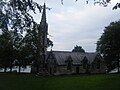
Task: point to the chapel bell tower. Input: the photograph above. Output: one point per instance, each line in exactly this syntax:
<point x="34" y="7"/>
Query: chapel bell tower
<point x="42" y="34"/>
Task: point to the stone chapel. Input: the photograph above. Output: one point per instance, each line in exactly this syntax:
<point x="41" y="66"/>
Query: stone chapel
<point x="66" y="62"/>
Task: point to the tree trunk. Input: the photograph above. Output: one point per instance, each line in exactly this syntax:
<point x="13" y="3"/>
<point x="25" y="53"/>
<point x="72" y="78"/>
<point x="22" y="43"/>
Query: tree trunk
<point x="5" y="68"/>
<point x="37" y="69"/>
<point x="11" y="67"/>
<point x="19" y="68"/>
<point x="118" y="64"/>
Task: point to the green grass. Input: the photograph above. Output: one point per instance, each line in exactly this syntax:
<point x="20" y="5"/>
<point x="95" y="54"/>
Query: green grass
<point x="72" y="82"/>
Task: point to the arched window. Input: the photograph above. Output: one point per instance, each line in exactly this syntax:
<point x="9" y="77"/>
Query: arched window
<point x="69" y="66"/>
<point x="69" y="63"/>
<point x="85" y="62"/>
<point x="98" y="61"/>
<point x="98" y="64"/>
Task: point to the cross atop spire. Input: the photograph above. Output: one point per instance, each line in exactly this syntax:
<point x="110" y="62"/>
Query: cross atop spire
<point x="44" y="1"/>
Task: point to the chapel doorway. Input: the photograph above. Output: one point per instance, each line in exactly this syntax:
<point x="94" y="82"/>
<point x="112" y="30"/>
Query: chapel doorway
<point x="50" y="70"/>
<point x="77" y="70"/>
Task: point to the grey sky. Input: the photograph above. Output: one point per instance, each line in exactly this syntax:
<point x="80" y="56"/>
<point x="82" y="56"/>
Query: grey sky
<point x="77" y="23"/>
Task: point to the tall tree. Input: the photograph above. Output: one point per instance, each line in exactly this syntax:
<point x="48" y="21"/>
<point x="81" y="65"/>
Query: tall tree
<point x="15" y="16"/>
<point x="9" y="43"/>
<point x="4" y="49"/>
<point x="78" y="49"/>
<point x="109" y="44"/>
<point x="31" y="44"/>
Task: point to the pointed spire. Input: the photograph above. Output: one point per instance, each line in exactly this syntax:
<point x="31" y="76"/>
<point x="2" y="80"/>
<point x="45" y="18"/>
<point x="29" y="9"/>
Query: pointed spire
<point x="43" y="19"/>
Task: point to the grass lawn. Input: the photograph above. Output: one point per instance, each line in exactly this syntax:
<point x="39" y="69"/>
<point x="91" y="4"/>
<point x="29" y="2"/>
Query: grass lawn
<point x="72" y="82"/>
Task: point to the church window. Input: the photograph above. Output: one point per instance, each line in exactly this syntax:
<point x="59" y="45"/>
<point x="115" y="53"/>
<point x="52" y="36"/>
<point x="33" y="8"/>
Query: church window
<point x="98" y="64"/>
<point x="69" y="65"/>
<point x="85" y="61"/>
<point x="93" y="65"/>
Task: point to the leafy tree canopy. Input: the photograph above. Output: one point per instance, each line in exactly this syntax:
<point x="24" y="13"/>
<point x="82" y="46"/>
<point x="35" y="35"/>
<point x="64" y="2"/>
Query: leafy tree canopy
<point x="78" y="49"/>
<point x="105" y="3"/>
<point x="109" y="43"/>
<point x="101" y="3"/>
<point x="14" y="14"/>
<point x="9" y="43"/>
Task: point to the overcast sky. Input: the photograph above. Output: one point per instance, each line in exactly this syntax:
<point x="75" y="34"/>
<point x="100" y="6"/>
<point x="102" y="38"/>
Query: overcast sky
<point x="77" y="23"/>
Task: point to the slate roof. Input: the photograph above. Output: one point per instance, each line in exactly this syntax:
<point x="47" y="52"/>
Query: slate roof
<point x="91" y="56"/>
<point x="62" y="56"/>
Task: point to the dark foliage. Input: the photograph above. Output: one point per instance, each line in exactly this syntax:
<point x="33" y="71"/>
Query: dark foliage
<point x="109" y="44"/>
<point x="103" y="3"/>
<point x="78" y="49"/>
<point x="116" y="6"/>
<point x="14" y="14"/>
<point x="8" y="44"/>
<point x="14" y="20"/>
